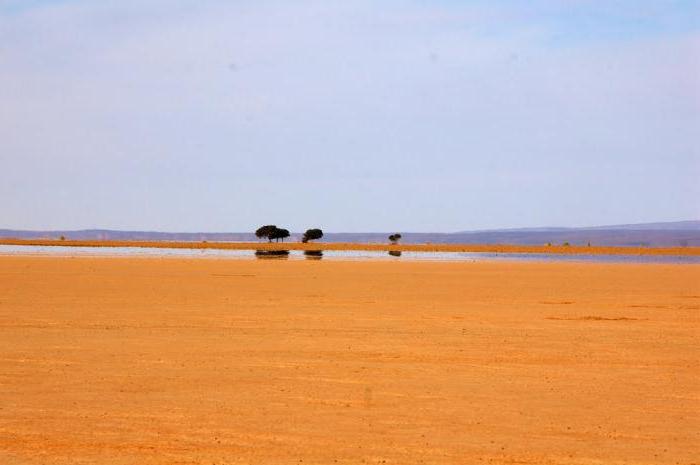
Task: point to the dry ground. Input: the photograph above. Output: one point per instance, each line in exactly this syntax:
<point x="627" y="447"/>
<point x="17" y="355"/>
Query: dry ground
<point x="171" y="361"/>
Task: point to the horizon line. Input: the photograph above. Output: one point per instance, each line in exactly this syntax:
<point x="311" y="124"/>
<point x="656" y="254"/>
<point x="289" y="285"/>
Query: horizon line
<point x="505" y="229"/>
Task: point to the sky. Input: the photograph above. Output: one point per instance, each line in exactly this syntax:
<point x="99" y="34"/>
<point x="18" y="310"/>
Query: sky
<point x="354" y="116"/>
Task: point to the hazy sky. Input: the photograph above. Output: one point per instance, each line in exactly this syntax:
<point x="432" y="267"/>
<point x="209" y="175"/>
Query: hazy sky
<point x="365" y="115"/>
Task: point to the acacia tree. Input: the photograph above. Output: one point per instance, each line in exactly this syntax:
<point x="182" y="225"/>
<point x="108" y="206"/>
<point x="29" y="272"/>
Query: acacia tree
<point x="265" y="232"/>
<point x="278" y="234"/>
<point x="395" y="238"/>
<point x="312" y="235"/>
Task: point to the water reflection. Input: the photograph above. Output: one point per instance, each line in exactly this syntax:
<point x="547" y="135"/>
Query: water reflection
<point x="395" y="253"/>
<point x="272" y="254"/>
<point x="339" y="254"/>
<point x="313" y="254"/>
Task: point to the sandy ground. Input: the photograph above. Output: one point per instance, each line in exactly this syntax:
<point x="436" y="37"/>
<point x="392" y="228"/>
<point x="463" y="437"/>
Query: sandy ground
<point x="170" y="361"/>
<point x="491" y="248"/>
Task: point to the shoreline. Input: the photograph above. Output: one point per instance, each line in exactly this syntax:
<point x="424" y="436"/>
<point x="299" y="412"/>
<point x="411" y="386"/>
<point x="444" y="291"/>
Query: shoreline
<point x="501" y="258"/>
<point x="369" y="247"/>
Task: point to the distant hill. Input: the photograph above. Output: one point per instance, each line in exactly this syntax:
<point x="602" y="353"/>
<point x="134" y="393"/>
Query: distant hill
<point x="110" y="234"/>
<point x="667" y="226"/>
<point x="676" y="233"/>
<point x="679" y="233"/>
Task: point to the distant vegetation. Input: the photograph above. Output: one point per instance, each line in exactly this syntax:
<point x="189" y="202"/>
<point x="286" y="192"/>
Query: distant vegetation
<point x="312" y="235"/>
<point x="265" y="231"/>
<point x="271" y="232"/>
<point x="279" y="234"/>
<point x="395" y="238"/>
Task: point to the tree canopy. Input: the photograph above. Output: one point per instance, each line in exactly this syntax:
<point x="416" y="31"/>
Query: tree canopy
<point x="312" y="235"/>
<point x="394" y="238"/>
<point x="271" y="232"/>
<point x="278" y="234"/>
<point x="265" y="231"/>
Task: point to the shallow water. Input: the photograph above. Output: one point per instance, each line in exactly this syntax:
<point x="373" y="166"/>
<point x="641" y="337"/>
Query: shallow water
<point x="335" y="255"/>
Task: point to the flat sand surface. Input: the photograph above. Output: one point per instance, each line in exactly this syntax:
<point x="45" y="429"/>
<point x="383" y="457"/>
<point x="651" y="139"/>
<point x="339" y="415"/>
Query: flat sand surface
<point x="175" y="361"/>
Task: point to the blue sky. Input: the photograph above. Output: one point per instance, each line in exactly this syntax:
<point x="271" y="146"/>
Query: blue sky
<point x="351" y="116"/>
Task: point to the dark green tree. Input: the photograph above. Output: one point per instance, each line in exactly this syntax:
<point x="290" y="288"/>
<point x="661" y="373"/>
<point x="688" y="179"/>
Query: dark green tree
<point x="395" y="238"/>
<point x="265" y="232"/>
<point x="312" y="235"/>
<point x="278" y="234"/>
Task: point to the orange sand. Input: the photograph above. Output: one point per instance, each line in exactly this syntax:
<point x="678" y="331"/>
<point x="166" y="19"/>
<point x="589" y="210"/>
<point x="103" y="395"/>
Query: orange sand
<point x="155" y="361"/>
<point x="493" y="248"/>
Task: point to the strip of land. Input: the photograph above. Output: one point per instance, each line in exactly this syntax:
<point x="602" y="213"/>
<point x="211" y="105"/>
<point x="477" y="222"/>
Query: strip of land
<point x="151" y="361"/>
<point x="488" y="248"/>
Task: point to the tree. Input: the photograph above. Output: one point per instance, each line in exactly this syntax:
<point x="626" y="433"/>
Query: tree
<point x="312" y="235"/>
<point x="278" y="234"/>
<point x="395" y="238"/>
<point x="266" y="231"/>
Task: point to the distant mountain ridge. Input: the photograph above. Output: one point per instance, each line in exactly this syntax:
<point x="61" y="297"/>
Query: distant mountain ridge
<point x="678" y="233"/>
<point x="690" y="225"/>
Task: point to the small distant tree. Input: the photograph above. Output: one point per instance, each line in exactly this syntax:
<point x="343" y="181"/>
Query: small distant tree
<point x="63" y="238"/>
<point x="566" y="244"/>
<point x="312" y="235"/>
<point x="278" y="234"/>
<point x="395" y="238"/>
<point x="266" y="232"/>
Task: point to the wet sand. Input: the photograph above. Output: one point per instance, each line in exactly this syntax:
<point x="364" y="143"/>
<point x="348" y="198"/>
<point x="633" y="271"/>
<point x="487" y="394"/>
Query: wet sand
<point x="488" y="248"/>
<point x="176" y="361"/>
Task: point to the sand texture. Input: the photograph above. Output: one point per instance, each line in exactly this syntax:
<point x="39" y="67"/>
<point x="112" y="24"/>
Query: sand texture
<point x="176" y="361"/>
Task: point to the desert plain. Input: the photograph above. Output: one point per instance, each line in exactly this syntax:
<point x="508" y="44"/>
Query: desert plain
<point x="215" y="361"/>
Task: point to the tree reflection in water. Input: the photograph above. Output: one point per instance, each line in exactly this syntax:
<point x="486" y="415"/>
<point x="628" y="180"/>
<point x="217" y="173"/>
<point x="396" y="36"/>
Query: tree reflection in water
<point x="313" y="254"/>
<point x="272" y="254"/>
